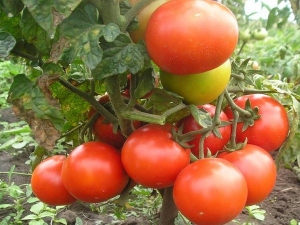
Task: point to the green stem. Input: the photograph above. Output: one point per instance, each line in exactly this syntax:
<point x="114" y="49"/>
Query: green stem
<point x="17" y="173"/>
<point x="248" y="90"/>
<point x="242" y="47"/>
<point x="235" y="106"/>
<point x="129" y="16"/>
<point x="233" y="129"/>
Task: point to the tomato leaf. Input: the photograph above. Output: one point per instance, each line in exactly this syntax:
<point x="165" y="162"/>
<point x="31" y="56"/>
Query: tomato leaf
<point x="121" y="56"/>
<point x="7" y="42"/>
<point x="201" y="116"/>
<point x="145" y="85"/>
<point x="33" y="101"/>
<point x="34" y="33"/>
<point x="49" y="14"/>
<point x="13" y="6"/>
<point x="83" y="31"/>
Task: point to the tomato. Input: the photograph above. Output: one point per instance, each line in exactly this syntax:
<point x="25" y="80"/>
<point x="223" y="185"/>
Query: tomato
<point x="210" y="191"/>
<point x="211" y="142"/>
<point x="93" y="172"/>
<point x="201" y="88"/>
<point x="258" y="168"/>
<point x="104" y="131"/>
<point x="260" y="34"/>
<point x="143" y="17"/>
<point x="186" y="37"/>
<point x="245" y="35"/>
<point x="270" y="130"/>
<point x="46" y="182"/>
<point x="152" y="158"/>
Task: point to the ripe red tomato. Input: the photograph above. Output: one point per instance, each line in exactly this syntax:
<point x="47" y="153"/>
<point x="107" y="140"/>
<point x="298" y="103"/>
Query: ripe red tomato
<point x="200" y="88"/>
<point x="270" y="130"/>
<point x="152" y="158"/>
<point x="210" y="191"/>
<point x="258" y="168"/>
<point x="211" y="142"/>
<point x="46" y="182"/>
<point x="93" y="172"/>
<point x="104" y="131"/>
<point x="143" y="18"/>
<point x="191" y="36"/>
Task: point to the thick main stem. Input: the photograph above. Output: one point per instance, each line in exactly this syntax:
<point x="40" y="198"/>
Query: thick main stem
<point x="169" y="210"/>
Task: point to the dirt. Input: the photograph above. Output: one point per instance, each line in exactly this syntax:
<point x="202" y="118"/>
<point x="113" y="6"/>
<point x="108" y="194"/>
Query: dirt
<point x="282" y="205"/>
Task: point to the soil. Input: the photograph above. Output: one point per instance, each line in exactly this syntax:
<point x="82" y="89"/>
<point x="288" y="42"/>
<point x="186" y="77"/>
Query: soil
<point x="281" y="206"/>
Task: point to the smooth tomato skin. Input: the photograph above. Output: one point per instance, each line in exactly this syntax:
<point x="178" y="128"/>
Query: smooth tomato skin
<point x="201" y="88"/>
<point x="143" y="17"/>
<point x="210" y="191"/>
<point x="152" y="158"/>
<point x="258" y="168"/>
<point x="93" y="172"/>
<point x="186" y="37"/>
<point x="270" y="130"/>
<point x="211" y="142"/>
<point x="47" y="185"/>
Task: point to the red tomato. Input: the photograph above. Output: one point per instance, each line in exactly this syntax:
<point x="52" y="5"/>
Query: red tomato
<point x="211" y="142"/>
<point x="210" y="191"/>
<point x="46" y="182"/>
<point x="104" y="131"/>
<point x="152" y="158"/>
<point x="143" y="18"/>
<point x="258" y="168"/>
<point x="191" y="36"/>
<point x="270" y="130"/>
<point x="93" y="172"/>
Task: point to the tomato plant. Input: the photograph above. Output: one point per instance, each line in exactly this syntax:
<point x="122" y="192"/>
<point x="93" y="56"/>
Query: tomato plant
<point x="258" y="168"/>
<point x="152" y="158"/>
<point x="180" y="44"/>
<point x="143" y="17"/>
<point x="196" y="88"/>
<point x="210" y="191"/>
<point x="104" y="131"/>
<point x="270" y="130"/>
<point x="46" y="182"/>
<point x="93" y="172"/>
<point x="211" y="142"/>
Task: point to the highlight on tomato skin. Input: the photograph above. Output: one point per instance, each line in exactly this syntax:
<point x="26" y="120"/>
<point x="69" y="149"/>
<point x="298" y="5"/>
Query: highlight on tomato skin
<point x="194" y="42"/>
<point x="47" y="185"/>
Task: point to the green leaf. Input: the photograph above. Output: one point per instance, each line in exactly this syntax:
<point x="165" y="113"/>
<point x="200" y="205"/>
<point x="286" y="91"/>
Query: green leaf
<point x="120" y="56"/>
<point x="34" y="99"/>
<point x="201" y="116"/>
<point x="34" y="33"/>
<point x="73" y="107"/>
<point x="13" y="6"/>
<point x="37" y="208"/>
<point x="272" y="18"/>
<point x="145" y="85"/>
<point x="5" y="206"/>
<point x="83" y="32"/>
<point x="30" y="217"/>
<point x="50" y="13"/>
<point x="7" y="43"/>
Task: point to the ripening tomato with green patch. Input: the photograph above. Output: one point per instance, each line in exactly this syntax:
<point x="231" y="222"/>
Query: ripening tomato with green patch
<point x="210" y="191"/>
<point x="47" y="184"/>
<point x="143" y="17"/>
<point x="93" y="172"/>
<point x="211" y="142"/>
<point x="191" y="36"/>
<point x="152" y="158"/>
<point x="270" y="130"/>
<point x="258" y="168"/>
<point x="200" y="88"/>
